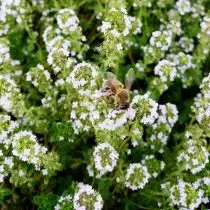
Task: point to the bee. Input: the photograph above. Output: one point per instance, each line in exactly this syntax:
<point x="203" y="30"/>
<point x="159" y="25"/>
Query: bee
<point x="119" y="92"/>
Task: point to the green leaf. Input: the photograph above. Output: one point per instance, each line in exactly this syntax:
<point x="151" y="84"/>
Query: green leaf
<point x="45" y="201"/>
<point x="3" y="193"/>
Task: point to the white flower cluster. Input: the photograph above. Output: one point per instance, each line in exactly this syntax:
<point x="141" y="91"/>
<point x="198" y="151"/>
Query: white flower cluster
<point x="39" y="77"/>
<point x="136" y="133"/>
<point x="204" y="36"/>
<point x="64" y="201"/>
<point x="7" y="126"/>
<point x="198" y="10"/>
<point x="5" y="58"/>
<point x="161" y="39"/>
<point x="166" y="70"/>
<point x="175" y="27"/>
<point x="83" y="75"/>
<point x="153" y="165"/>
<point x="83" y="120"/>
<point x="109" y="25"/>
<point x="204" y="181"/>
<point x="63" y="42"/>
<point x="54" y="41"/>
<point x="83" y="80"/>
<point x="186" y="44"/>
<point x="137" y="176"/>
<point x="4" y="52"/>
<point x="195" y="156"/>
<point x="183" y="6"/>
<point x="152" y="52"/>
<point x="26" y="148"/>
<point x="49" y="100"/>
<point x="67" y="21"/>
<point x="186" y="196"/>
<point x="23" y="146"/>
<point x="182" y="62"/>
<point x="38" y="3"/>
<point x="116" y="118"/>
<point x="87" y="198"/>
<point x="6" y="164"/>
<point x="174" y="24"/>
<point x="168" y="115"/>
<point x="10" y="95"/>
<point x="205" y="25"/>
<point x="157" y="84"/>
<point x="57" y="58"/>
<point x="143" y="3"/>
<point x="105" y="158"/>
<point x="8" y="9"/>
<point x="146" y="107"/>
<point x="117" y="28"/>
<point x="201" y="105"/>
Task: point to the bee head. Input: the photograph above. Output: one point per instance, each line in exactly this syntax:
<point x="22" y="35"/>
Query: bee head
<point x="112" y="85"/>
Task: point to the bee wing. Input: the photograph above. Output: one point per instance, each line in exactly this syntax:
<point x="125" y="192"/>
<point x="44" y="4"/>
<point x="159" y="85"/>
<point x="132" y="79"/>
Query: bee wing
<point x="129" y="78"/>
<point x="110" y="75"/>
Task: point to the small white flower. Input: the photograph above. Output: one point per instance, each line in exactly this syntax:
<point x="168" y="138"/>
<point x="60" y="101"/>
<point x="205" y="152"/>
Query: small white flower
<point x="136" y="176"/>
<point x="105" y="158"/>
<point x="183" y="6"/>
<point x="166" y="70"/>
<point x="67" y="20"/>
<point x="89" y="197"/>
<point x="161" y="39"/>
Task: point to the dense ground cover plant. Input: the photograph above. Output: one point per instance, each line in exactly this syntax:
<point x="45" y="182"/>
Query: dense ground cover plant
<point x="63" y="143"/>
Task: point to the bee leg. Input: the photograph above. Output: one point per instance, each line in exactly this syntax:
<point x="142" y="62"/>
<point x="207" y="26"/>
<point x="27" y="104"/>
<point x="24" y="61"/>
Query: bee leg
<point x="106" y="92"/>
<point x="117" y="108"/>
<point x="116" y="102"/>
<point x="122" y="106"/>
<point x="109" y="93"/>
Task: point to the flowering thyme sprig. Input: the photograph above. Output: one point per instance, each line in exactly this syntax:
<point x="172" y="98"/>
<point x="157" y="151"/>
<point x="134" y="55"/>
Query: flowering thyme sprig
<point x="136" y="176"/>
<point x="86" y="197"/>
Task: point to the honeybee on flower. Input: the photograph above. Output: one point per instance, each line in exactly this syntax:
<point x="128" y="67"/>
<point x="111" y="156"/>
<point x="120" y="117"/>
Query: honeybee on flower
<point x="118" y="91"/>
